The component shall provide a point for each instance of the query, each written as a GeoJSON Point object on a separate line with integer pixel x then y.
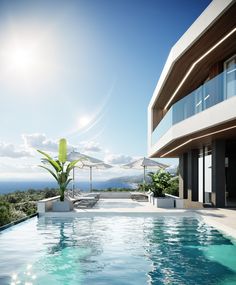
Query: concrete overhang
{"type": "Point", "coordinates": [211, 27]}
{"type": "Point", "coordinates": [198, 130]}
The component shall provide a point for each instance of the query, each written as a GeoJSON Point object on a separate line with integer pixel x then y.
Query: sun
{"type": "Point", "coordinates": [84, 121]}
{"type": "Point", "coordinates": [21, 59]}
{"type": "Point", "coordinates": [29, 58]}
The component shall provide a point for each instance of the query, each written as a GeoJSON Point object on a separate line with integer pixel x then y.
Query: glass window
{"type": "Point", "coordinates": [230, 77]}
{"type": "Point", "coordinates": [198, 100]}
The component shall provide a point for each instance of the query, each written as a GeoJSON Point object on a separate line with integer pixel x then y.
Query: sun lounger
{"type": "Point", "coordinates": [139, 196]}
{"type": "Point", "coordinates": [78, 193]}
{"type": "Point", "coordinates": [77, 197]}
{"type": "Point", "coordinates": [87, 203]}
{"type": "Point", "coordinates": [86, 194]}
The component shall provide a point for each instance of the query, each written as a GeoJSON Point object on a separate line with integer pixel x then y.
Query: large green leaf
{"type": "Point", "coordinates": [51, 161]}
{"type": "Point", "coordinates": [45, 154]}
{"type": "Point", "coordinates": [62, 151]}
{"type": "Point", "coordinates": [68, 181]}
{"type": "Point", "coordinates": [71, 165]}
{"type": "Point", "coordinates": [54, 164]}
{"type": "Point", "coordinates": [50, 171]}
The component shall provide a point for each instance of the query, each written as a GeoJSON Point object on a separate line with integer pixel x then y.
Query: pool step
{"type": "Point", "coordinates": [207, 205]}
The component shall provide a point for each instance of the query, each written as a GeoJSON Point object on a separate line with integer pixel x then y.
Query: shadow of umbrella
{"type": "Point", "coordinates": [89, 162]}
{"type": "Point", "coordinates": [144, 163]}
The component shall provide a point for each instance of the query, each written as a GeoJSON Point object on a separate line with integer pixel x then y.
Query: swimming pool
{"type": "Point", "coordinates": [116, 250]}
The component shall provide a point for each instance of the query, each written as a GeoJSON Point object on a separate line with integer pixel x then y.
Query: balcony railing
{"type": "Point", "coordinates": [212, 92]}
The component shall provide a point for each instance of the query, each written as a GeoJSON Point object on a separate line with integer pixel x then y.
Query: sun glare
{"type": "Point", "coordinates": [84, 121]}
{"type": "Point", "coordinates": [27, 57]}
{"type": "Point", "coordinates": [21, 59]}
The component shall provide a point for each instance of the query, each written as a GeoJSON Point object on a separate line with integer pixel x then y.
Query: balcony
{"type": "Point", "coordinates": [219, 89]}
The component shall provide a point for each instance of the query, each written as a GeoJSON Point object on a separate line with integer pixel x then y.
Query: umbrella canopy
{"type": "Point", "coordinates": [145, 163]}
{"type": "Point", "coordinates": [88, 161]}
{"type": "Point", "coordinates": [74, 155]}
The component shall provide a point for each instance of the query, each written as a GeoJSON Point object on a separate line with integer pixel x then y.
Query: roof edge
{"type": "Point", "coordinates": [194, 32]}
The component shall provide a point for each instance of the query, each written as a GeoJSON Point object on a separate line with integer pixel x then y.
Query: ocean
{"type": "Point", "coordinates": [12, 186]}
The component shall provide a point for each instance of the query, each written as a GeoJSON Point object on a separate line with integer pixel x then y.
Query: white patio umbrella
{"type": "Point", "coordinates": [87, 161]}
{"type": "Point", "coordinates": [145, 163]}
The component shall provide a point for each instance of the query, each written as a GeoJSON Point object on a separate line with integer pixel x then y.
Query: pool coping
{"type": "Point", "coordinates": [2, 228]}
{"type": "Point", "coordinates": [219, 218]}
{"type": "Point", "coordinates": [221, 223]}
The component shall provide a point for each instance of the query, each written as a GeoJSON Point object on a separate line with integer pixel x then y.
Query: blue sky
{"type": "Point", "coordinates": [83, 70]}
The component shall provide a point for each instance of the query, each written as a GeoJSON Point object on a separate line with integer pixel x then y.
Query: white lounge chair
{"type": "Point", "coordinates": [76, 197]}
{"type": "Point", "coordinates": [78, 193]}
{"type": "Point", "coordinates": [86, 203]}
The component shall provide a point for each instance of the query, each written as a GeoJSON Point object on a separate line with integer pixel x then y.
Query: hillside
{"type": "Point", "coordinates": [129, 179]}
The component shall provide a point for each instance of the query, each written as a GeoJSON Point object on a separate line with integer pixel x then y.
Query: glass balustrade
{"type": "Point", "coordinates": [212, 92]}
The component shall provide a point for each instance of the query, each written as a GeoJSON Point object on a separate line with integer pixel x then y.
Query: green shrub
{"type": "Point", "coordinates": [51, 192]}
{"type": "Point", "coordinates": [5, 214]}
{"type": "Point", "coordinates": [19, 204]}
{"type": "Point", "coordinates": [17, 215]}
{"type": "Point", "coordinates": [173, 189]}
{"type": "Point", "coordinates": [143, 187]}
{"type": "Point", "coordinates": [27, 208]}
{"type": "Point", "coordinates": [160, 182]}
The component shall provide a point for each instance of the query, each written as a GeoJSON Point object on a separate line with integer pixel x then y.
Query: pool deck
{"type": "Point", "coordinates": [222, 219]}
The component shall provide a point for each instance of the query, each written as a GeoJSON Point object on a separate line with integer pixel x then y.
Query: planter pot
{"type": "Point", "coordinates": [163, 202]}
{"type": "Point", "coordinates": [150, 198]}
{"type": "Point", "coordinates": [62, 206]}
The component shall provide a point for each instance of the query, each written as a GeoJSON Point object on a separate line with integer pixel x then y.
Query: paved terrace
{"type": "Point", "coordinates": [222, 219]}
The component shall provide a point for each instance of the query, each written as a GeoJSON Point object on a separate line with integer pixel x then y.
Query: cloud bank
{"type": "Point", "coordinates": [9, 150]}
{"type": "Point", "coordinates": [118, 159]}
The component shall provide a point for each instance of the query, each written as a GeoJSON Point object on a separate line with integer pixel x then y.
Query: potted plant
{"type": "Point", "coordinates": [60, 170]}
{"type": "Point", "coordinates": [161, 181]}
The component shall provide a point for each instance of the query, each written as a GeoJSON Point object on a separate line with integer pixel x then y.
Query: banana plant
{"type": "Point", "coordinates": [60, 167]}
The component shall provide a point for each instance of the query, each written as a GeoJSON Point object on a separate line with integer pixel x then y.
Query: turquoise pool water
{"type": "Point", "coordinates": [116, 250]}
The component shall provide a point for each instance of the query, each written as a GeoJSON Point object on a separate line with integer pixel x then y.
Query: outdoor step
{"type": "Point", "coordinates": [207, 205]}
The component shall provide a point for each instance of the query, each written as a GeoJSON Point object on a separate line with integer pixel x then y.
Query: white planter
{"type": "Point", "coordinates": [163, 202]}
{"type": "Point", "coordinates": [150, 198]}
{"type": "Point", "coordinates": [62, 206]}
{"type": "Point", "coordinates": [179, 203]}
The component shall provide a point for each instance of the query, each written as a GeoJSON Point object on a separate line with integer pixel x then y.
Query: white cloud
{"type": "Point", "coordinates": [91, 146]}
{"type": "Point", "coordinates": [118, 158]}
{"type": "Point", "coordinates": [40, 141]}
{"type": "Point", "coordinates": [9, 150]}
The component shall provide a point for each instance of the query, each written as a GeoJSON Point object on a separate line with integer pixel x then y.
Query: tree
{"type": "Point", "coordinates": [61, 168]}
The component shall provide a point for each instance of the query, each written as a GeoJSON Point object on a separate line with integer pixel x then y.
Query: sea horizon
{"type": "Point", "coordinates": [19, 185]}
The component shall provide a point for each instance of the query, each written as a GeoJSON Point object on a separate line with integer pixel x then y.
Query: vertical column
{"type": "Point", "coordinates": [183, 176]}
{"type": "Point", "coordinates": [193, 175]}
{"type": "Point", "coordinates": [230, 173]}
{"type": "Point", "coordinates": [231, 177]}
{"type": "Point", "coordinates": [201, 183]}
{"type": "Point", "coordinates": [218, 173]}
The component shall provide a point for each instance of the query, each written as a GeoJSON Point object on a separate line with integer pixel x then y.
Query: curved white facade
{"type": "Point", "coordinates": [192, 114]}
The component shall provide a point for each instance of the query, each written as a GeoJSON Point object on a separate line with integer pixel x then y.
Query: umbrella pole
{"type": "Point", "coordinates": [90, 178]}
{"type": "Point", "coordinates": [144, 175]}
{"type": "Point", "coordinates": [73, 182]}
